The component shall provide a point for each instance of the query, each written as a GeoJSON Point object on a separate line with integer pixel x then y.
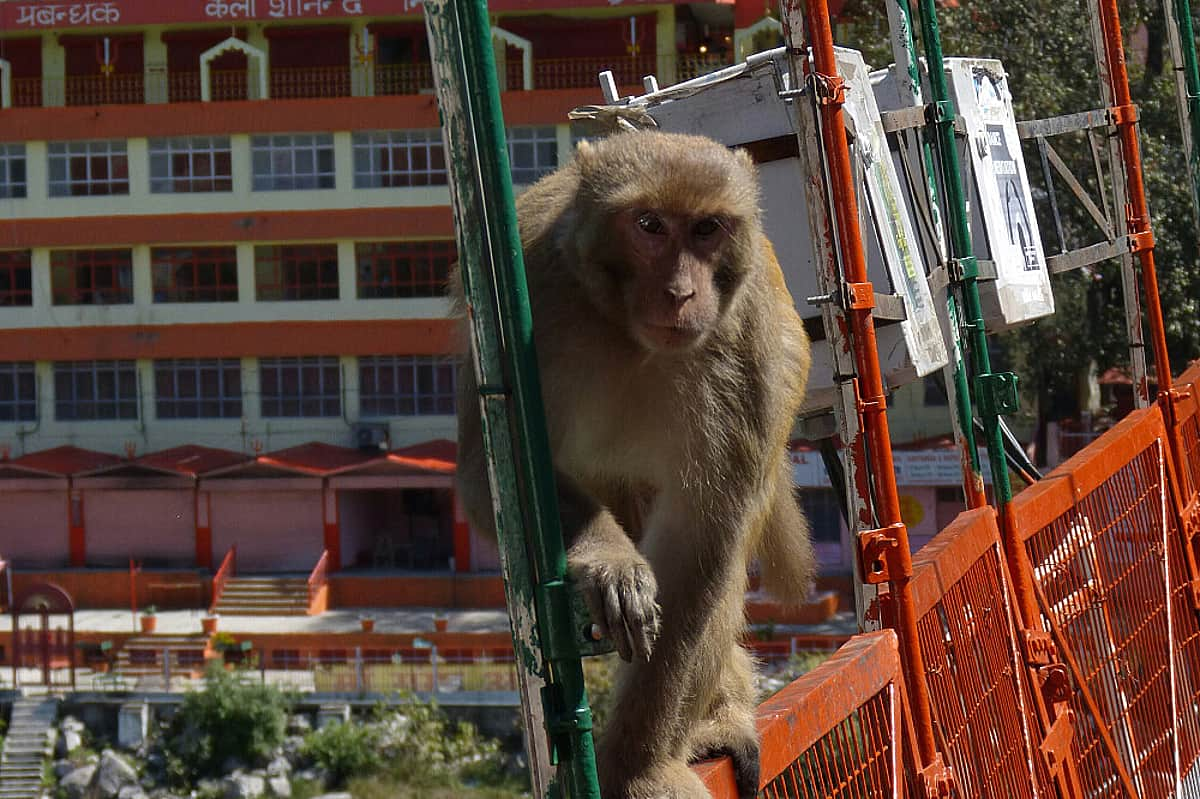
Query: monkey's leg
{"type": "Point", "coordinates": [728, 727]}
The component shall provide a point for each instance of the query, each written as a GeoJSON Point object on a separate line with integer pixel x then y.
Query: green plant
{"type": "Point", "coordinates": [345, 749]}
{"type": "Point", "coordinates": [229, 718]}
{"type": "Point", "coordinates": [224, 642]}
{"type": "Point", "coordinates": [150, 610]}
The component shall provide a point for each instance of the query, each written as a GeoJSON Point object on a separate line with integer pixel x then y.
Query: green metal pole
{"type": "Point", "coordinates": [994, 393]}
{"type": "Point", "coordinates": [909, 81]}
{"type": "Point", "coordinates": [493, 273]}
{"type": "Point", "coordinates": [1189, 110]}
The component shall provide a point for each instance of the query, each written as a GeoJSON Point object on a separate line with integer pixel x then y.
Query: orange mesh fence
{"type": "Point", "coordinates": [832, 733]}
{"type": "Point", "coordinates": [1096, 533]}
{"type": "Point", "coordinates": [1187, 432]}
{"type": "Point", "coordinates": [984, 720]}
{"type": "Point", "coordinates": [1185, 628]}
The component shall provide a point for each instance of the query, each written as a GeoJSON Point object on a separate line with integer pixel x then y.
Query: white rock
{"type": "Point", "coordinates": [68, 742]}
{"type": "Point", "coordinates": [132, 792]}
{"type": "Point", "coordinates": [243, 786]}
{"type": "Point", "coordinates": [279, 767]}
{"type": "Point", "coordinates": [280, 787]}
{"type": "Point", "coordinates": [112, 775]}
{"type": "Point", "coordinates": [76, 783]}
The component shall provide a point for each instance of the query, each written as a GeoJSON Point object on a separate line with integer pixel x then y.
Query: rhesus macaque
{"type": "Point", "coordinates": [672, 363]}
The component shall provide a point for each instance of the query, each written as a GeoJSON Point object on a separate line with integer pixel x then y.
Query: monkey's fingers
{"type": "Point", "coordinates": [641, 615]}
{"type": "Point", "coordinates": [618, 630]}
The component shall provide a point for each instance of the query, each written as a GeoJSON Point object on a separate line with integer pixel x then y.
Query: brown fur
{"type": "Point", "coordinates": [685, 444]}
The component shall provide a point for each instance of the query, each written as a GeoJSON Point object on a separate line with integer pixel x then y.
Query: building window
{"type": "Point", "coordinates": [300, 386]}
{"type": "Point", "coordinates": [935, 392]}
{"type": "Point", "coordinates": [82, 168]}
{"type": "Point", "coordinates": [190, 164]}
{"type": "Point", "coordinates": [12, 171]}
{"type": "Point", "coordinates": [823, 512]}
{"type": "Point", "coordinates": [301, 161]}
{"type": "Point", "coordinates": [296, 272]}
{"type": "Point", "coordinates": [85, 390]}
{"type": "Point", "coordinates": [198, 389]}
{"type": "Point", "coordinates": [194, 274]}
{"type": "Point", "coordinates": [532, 153]}
{"type": "Point", "coordinates": [16, 278]}
{"type": "Point", "coordinates": [388, 158]}
{"type": "Point", "coordinates": [91, 277]}
{"type": "Point", "coordinates": [18, 392]}
{"type": "Point", "coordinates": [405, 385]}
{"type": "Point", "coordinates": [403, 268]}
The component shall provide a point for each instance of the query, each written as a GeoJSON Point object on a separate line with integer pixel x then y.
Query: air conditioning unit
{"type": "Point", "coordinates": [371, 437]}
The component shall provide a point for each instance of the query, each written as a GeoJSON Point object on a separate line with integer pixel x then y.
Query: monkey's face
{"type": "Point", "coordinates": [671, 295]}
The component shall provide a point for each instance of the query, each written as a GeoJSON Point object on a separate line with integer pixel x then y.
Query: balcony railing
{"type": "Point", "coordinates": [310, 82]}
{"type": "Point", "coordinates": [389, 79]}
{"type": "Point", "coordinates": [225, 84]}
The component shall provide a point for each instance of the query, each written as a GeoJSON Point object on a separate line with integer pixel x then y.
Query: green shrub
{"type": "Point", "coordinates": [345, 750]}
{"type": "Point", "coordinates": [229, 718]}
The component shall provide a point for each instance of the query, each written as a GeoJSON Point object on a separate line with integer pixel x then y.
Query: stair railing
{"type": "Point", "coordinates": [228, 569]}
{"type": "Point", "coordinates": [317, 584]}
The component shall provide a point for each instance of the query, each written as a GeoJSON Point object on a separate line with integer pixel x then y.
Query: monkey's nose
{"type": "Point", "coordinates": [679, 297]}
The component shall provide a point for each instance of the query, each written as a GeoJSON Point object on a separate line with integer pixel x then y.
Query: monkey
{"type": "Point", "coordinates": [673, 363]}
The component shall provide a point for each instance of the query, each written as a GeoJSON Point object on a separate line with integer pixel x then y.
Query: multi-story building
{"type": "Point", "coordinates": [224, 234]}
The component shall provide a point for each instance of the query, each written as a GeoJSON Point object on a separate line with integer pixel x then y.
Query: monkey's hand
{"type": "Point", "coordinates": [620, 590]}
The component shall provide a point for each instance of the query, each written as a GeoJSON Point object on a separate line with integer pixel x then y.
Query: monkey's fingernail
{"type": "Point", "coordinates": [595, 633]}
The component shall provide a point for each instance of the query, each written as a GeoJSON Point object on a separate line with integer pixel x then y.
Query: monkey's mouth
{"type": "Point", "coordinates": [670, 338]}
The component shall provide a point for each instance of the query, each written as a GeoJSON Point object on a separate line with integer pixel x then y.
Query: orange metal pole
{"type": "Point", "coordinates": [860, 298]}
{"type": "Point", "coordinates": [1124, 115]}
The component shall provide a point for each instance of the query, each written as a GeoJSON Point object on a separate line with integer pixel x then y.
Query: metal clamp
{"type": "Point", "coordinates": [937, 781]}
{"type": "Point", "coordinates": [960, 269]}
{"type": "Point", "coordinates": [1055, 683]}
{"type": "Point", "coordinates": [996, 393]}
{"type": "Point", "coordinates": [1120, 115]}
{"type": "Point", "coordinates": [1142, 240]}
{"type": "Point", "coordinates": [876, 549]}
{"type": "Point", "coordinates": [858, 296]}
{"type": "Point", "coordinates": [939, 112]}
{"type": "Point", "coordinates": [1055, 748]}
{"type": "Point", "coordinates": [1037, 648]}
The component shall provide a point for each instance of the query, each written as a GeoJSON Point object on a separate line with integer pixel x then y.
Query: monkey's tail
{"type": "Point", "coordinates": [787, 564]}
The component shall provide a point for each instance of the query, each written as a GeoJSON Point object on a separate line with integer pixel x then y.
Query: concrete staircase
{"type": "Point", "coordinates": [141, 657]}
{"type": "Point", "coordinates": [29, 741]}
{"type": "Point", "coordinates": [264, 596]}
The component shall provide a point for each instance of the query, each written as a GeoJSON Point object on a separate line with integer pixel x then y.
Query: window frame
{"type": "Point", "coordinates": [227, 399]}
{"type": "Point", "coordinates": [531, 139]}
{"type": "Point", "coordinates": [385, 159]}
{"type": "Point", "coordinates": [403, 269]}
{"type": "Point", "coordinates": [15, 376]}
{"type": "Point", "coordinates": [12, 156]}
{"type": "Point", "coordinates": [189, 152]}
{"type": "Point", "coordinates": [17, 267]}
{"type": "Point", "coordinates": [374, 395]}
{"type": "Point", "coordinates": [91, 262]}
{"type": "Point", "coordinates": [123, 405]}
{"type": "Point", "coordinates": [274, 160]}
{"type": "Point", "coordinates": [274, 375]}
{"type": "Point", "coordinates": [278, 272]}
{"type": "Point", "coordinates": [167, 262]}
{"type": "Point", "coordinates": [104, 158]}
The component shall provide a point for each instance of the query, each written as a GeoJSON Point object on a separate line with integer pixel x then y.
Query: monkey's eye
{"type": "Point", "coordinates": [706, 227]}
{"type": "Point", "coordinates": [651, 223]}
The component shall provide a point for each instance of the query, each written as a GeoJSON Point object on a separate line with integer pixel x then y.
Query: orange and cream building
{"type": "Point", "coordinates": [224, 233]}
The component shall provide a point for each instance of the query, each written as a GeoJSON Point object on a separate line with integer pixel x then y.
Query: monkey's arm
{"type": "Point", "coordinates": [616, 581]}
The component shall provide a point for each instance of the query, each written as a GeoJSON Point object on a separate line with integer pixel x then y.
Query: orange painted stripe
{"type": "Point", "coordinates": [231, 340]}
{"type": "Point", "coordinates": [355, 223]}
{"type": "Point", "coordinates": [400, 112]}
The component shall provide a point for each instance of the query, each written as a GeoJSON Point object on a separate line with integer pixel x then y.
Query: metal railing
{"type": "Point", "coordinates": [227, 569]}
{"type": "Point", "coordinates": [310, 82]}
{"type": "Point", "coordinates": [226, 84]}
{"type": "Point", "coordinates": [318, 584]}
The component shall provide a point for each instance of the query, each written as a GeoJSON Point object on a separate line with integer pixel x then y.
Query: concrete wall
{"type": "Point", "coordinates": [33, 528]}
{"type": "Point", "coordinates": [275, 531]}
{"type": "Point", "coordinates": [155, 526]}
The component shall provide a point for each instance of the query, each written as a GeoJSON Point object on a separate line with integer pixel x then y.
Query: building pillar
{"type": "Point", "coordinates": [255, 67]}
{"type": "Point", "coordinates": [76, 532]}
{"type": "Point", "coordinates": [362, 60]}
{"type": "Point", "coordinates": [462, 536]}
{"type": "Point", "coordinates": [202, 515]}
{"type": "Point", "coordinates": [664, 45]}
{"type": "Point", "coordinates": [154, 66]}
{"type": "Point", "coordinates": [333, 530]}
{"type": "Point", "coordinates": [54, 71]}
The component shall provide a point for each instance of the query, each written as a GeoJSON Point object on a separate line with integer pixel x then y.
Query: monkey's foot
{"type": "Point", "coordinates": [621, 596]}
{"type": "Point", "coordinates": [669, 780]}
{"type": "Point", "coordinates": [741, 746]}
